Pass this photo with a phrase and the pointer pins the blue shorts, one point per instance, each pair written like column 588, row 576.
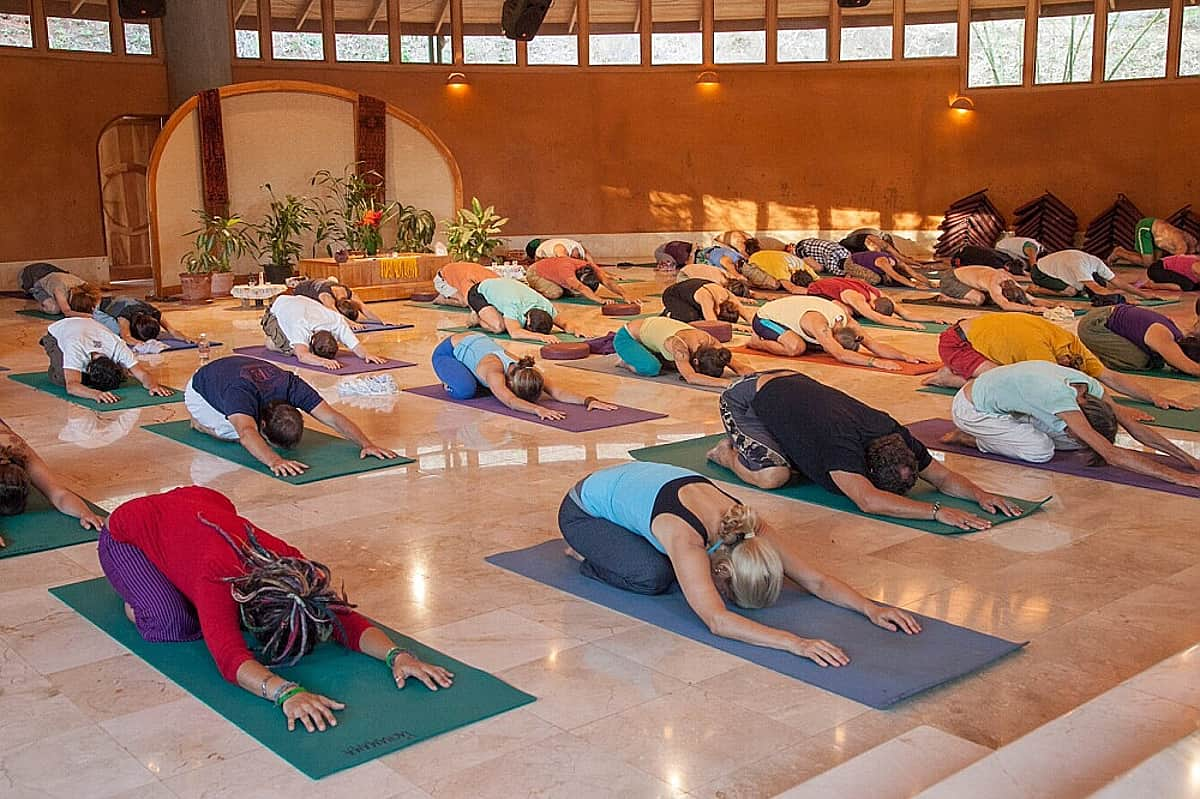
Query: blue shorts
column 768, row 330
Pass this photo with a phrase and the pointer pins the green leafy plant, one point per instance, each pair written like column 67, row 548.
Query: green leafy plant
column 219, row 240
column 415, row 229
column 472, row 235
column 277, row 236
column 350, row 195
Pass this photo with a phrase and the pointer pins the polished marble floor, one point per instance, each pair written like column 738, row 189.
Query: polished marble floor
column 1103, row 584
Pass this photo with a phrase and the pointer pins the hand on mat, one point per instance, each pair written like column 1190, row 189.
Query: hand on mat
column 543, row 337
column 910, row 325
column 547, row 415
column 374, row 359
column 894, row 619
column 997, row 504
column 597, row 405
column 106, row 397
column 1165, row 403
column 434, row 677
column 886, row 365
column 356, row 325
column 288, row 468
column 90, row 521
column 314, row 711
column 376, row 452
column 820, row 652
column 915, row 359
column 160, row 391
column 961, row 519
column 329, row 363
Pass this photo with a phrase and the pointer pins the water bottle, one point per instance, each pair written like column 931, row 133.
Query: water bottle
column 202, row 348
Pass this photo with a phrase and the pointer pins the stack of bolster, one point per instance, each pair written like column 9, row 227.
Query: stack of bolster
column 1048, row 220
column 1186, row 221
column 1112, row 228
column 970, row 220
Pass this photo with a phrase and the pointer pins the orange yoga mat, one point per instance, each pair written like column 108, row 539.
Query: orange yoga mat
column 824, row 359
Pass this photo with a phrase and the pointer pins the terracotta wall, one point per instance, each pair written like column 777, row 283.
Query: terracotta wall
column 52, row 111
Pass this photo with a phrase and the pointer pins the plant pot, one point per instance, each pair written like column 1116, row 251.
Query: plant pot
column 222, row 282
column 195, row 287
column 276, row 273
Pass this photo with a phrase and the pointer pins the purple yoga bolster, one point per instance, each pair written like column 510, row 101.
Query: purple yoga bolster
column 579, row 420
column 1072, row 462
column 351, row 363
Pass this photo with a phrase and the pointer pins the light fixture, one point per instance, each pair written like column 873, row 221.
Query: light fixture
column 960, row 102
column 708, row 78
column 457, row 79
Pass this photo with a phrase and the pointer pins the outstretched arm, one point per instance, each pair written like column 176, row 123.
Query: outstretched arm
column 563, row 394
column 870, row 499
column 326, row 414
column 64, row 306
column 888, row 351
column 63, row 499
column 609, row 282
column 305, row 356
column 149, row 382
column 1137, row 389
column 570, row 327
column 1165, row 346
column 73, row 383
column 500, row 390
column 361, row 352
column 366, row 313
column 264, row 453
column 1125, row 285
column 864, row 308
column 1126, row 458
column 1150, row 438
column 957, row 485
column 375, row 643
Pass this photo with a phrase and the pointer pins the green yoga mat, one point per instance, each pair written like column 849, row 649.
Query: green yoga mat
column 1154, row 302
column 985, row 308
column 927, row 327
column 690, row 454
column 379, row 718
column 131, row 395
column 42, row 527
column 1171, row 418
column 327, row 456
column 1165, row 374
column 49, row 317
column 505, row 336
column 435, row 306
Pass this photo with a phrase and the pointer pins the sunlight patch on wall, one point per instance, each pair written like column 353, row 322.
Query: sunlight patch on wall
column 725, row 214
column 672, row 211
column 617, row 192
column 907, row 220
column 792, row 217
column 851, row 218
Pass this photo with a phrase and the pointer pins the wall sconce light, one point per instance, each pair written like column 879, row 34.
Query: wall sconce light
column 457, row 80
column 961, row 102
column 708, row 78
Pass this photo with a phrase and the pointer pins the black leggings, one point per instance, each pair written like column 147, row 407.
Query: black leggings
column 1160, row 274
column 612, row 554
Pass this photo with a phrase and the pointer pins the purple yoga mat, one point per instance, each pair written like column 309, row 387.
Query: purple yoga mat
column 351, row 363
column 578, row 419
column 174, row 344
column 1073, row 462
column 373, row 327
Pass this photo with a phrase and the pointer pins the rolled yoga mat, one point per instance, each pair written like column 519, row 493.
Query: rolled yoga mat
column 825, row 359
column 351, row 363
column 1073, row 462
column 690, row 454
column 326, row 456
column 42, row 527
column 131, row 393
column 885, row 667
column 608, row 365
column 379, row 718
column 579, row 420
column 505, row 336
column 1171, row 418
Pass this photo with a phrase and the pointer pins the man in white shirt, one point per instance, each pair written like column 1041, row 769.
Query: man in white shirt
column 1022, row 248
column 305, row 328
column 1073, row 272
column 89, row 361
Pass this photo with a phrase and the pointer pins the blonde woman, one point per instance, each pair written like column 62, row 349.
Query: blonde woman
column 643, row 526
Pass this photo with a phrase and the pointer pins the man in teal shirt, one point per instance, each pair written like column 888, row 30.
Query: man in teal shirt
column 504, row 305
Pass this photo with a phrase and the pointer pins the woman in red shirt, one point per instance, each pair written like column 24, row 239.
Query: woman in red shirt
column 188, row 566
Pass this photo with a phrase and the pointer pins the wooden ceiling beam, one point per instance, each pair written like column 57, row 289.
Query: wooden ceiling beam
column 376, row 15
column 241, row 12
column 574, row 18
column 443, row 18
column 76, row 5
column 305, row 14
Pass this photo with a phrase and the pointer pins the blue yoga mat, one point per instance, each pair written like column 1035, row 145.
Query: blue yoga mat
column 885, row 667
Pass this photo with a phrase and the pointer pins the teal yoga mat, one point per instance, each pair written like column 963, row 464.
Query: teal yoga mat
column 41, row 527
column 131, row 394
column 927, row 327
column 434, row 306
column 327, row 456
column 1165, row 374
column 505, row 336
column 379, row 718
column 48, row 317
column 1171, row 418
column 690, row 455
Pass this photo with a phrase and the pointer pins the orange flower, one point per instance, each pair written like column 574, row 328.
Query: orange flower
column 372, row 218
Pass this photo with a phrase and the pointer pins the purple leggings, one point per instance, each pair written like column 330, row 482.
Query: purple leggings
column 162, row 612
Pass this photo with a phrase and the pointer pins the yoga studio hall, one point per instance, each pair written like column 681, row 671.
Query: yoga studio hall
column 599, row 399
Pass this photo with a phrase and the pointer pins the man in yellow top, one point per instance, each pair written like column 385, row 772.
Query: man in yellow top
column 772, row 270
column 973, row 346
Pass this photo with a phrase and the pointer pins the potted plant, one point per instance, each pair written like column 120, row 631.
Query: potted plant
column 350, row 195
column 472, row 235
column 219, row 240
column 415, row 228
column 277, row 235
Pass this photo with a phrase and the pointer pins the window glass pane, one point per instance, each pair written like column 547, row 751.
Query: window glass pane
column 1064, row 41
column 245, row 29
column 803, row 31
column 557, row 41
column 425, row 32
column 296, row 31
column 614, row 37
column 1136, row 46
column 931, row 29
column 675, row 36
column 1189, row 55
column 483, row 40
column 997, row 43
column 15, row 28
column 137, row 39
column 83, row 27
column 360, row 31
column 867, row 32
column 740, row 35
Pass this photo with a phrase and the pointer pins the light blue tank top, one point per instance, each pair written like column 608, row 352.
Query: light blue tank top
column 474, row 348
column 625, row 494
column 717, row 253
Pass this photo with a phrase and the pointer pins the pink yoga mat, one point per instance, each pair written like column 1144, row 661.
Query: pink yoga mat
column 351, row 363
column 1072, row 462
column 578, row 419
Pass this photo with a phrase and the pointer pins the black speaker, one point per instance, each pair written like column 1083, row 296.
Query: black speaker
column 142, row 9
column 853, row 3
column 520, row 19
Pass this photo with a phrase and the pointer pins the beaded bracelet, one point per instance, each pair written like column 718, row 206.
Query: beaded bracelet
column 283, row 686
column 288, row 694
column 588, row 400
column 392, row 654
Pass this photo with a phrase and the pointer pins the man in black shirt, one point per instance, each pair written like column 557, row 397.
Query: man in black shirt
column 782, row 421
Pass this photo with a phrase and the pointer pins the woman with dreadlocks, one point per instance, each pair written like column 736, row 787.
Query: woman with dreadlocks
column 188, row 567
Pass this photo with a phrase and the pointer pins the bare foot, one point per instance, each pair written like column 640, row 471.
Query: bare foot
column 571, row 553
column 129, row 614
column 960, row 438
column 722, row 453
column 945, row 378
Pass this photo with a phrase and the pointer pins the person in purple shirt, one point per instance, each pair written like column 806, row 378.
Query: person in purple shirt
column 1130, row 338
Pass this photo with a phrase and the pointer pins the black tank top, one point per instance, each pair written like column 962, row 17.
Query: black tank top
column 667, row 501
column 679, row 300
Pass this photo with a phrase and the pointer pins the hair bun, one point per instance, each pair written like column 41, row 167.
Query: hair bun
column 526, row 362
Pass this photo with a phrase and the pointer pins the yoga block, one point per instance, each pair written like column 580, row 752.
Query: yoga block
column 424, row 296
column 621, row 309
column 566, row 351
column 721, row 331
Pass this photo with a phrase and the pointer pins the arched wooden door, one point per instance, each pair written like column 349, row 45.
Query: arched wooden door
column 124, row 153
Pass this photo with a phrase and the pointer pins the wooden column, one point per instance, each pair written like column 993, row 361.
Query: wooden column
column 393, row 22
column 964, row 43
column 328, row 41
column 37, row 25
column 456, row 30
column 116, row 28
column 1099, row 40
column 1175, row 39
column 266, row 48
column 897, row 29
column 771, row 13
column 707, row 18
column 645, row 29
column 1029, row 65
column 583, row 31
column 835, row 32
